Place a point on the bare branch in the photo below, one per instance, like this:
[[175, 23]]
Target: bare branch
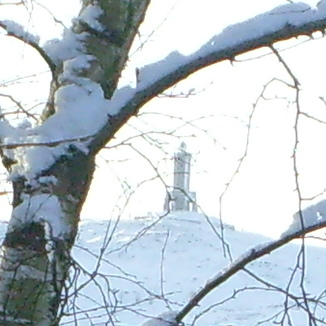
[[19, 105], [18, 31], [249, 256]]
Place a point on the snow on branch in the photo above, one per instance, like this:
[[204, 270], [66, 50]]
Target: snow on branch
[[16, 30], [50, 143], [165, 319], [282, 23], [249, 256], [307, 217]]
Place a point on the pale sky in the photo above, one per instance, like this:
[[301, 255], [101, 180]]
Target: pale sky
[[261, 198]]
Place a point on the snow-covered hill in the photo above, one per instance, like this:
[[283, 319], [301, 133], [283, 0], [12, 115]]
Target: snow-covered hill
[[147, 266]]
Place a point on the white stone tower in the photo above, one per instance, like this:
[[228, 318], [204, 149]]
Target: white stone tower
[[180, 198]]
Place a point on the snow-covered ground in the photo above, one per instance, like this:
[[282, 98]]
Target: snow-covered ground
[[156, 265], [151, 265]]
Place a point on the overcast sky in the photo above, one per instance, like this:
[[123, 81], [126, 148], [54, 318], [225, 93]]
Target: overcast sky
[[261, 198]]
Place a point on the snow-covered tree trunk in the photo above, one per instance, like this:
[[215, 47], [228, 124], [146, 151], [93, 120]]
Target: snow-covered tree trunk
[[42, 230], [51, 180]]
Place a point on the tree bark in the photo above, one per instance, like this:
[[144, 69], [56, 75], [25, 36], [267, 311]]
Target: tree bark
[[46, 207], [36, 254]]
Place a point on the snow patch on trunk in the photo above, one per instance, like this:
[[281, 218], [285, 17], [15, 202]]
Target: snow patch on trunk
[[41, 208], [90, 16]]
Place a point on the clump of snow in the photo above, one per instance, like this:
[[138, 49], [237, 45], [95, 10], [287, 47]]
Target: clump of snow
[[90, 16], [293, 14], [149, 73], [75, 66], [24, 124], [81, 111], [18, 31], [70, 46], [165, 319], [120, 98], [39, 208], [7, 130], [309, 216], [30, 160]]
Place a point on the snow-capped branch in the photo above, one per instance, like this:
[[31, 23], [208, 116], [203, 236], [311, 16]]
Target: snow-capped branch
[[52, 143], [308, 216], [279, 24], [16, 30], [249, 256], [165, 319]]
